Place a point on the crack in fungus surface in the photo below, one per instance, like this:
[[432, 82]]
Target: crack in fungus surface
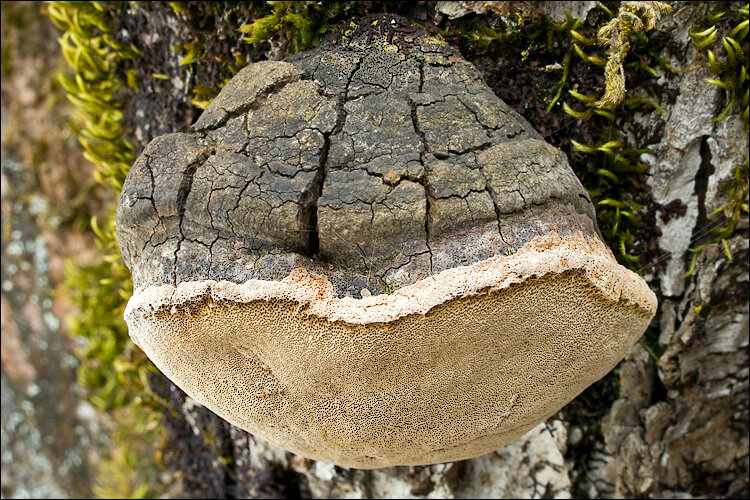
[[309, 163]]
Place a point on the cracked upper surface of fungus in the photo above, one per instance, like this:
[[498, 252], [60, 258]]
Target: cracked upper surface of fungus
[[362, 254], [376, 166]]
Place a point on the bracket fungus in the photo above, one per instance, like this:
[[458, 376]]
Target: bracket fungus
[[364, 256]]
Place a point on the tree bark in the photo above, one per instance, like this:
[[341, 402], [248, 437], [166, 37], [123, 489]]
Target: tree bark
[[679, 425], [672, 422]]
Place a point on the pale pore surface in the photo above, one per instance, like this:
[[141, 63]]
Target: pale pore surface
[[448, 368]]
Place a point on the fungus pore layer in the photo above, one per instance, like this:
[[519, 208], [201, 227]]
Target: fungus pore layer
[[446, 368]]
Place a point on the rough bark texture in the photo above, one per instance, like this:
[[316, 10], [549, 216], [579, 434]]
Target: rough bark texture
[[50, 435]]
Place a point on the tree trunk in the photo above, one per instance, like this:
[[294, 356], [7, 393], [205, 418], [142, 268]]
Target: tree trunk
[[672, 419], [679, 425]]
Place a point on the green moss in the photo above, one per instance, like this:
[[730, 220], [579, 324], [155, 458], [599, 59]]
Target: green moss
[[607, 163], [633, 18], [114, 373], [89, 47], [723, 38], [102, 289], [737, 190], [300, 23]]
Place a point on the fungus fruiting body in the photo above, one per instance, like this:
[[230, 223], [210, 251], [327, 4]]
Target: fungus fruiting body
[[364, 256]]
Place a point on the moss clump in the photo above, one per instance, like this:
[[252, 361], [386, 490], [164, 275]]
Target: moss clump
[[300, 23], [737, 190], [89, 47], [632, 18], [101, 290], [608, 158]]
